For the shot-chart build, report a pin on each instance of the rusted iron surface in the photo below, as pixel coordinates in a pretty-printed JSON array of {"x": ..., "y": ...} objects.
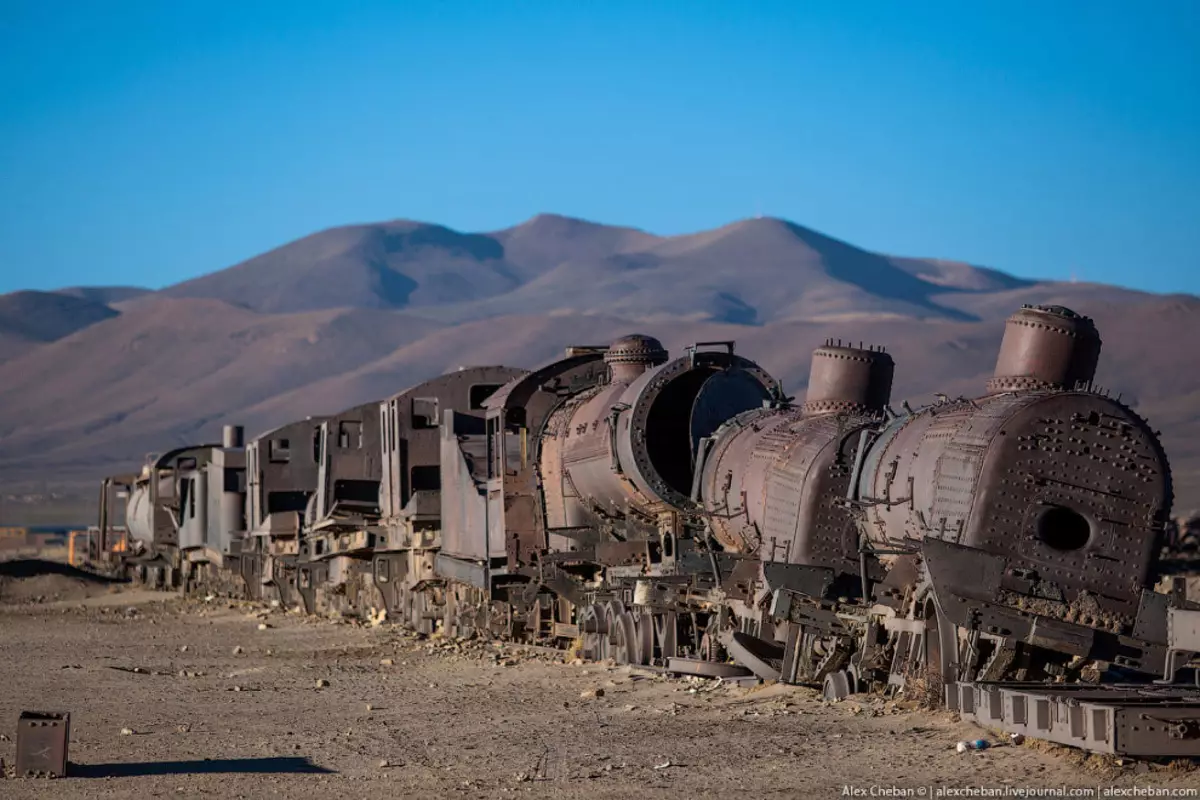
[
  {"x": 42, "y": 739},
  {"x": 1046, "y": 347}
]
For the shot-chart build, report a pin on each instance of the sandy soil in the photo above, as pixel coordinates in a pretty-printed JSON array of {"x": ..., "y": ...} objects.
[{"x": 311, "y": 709}]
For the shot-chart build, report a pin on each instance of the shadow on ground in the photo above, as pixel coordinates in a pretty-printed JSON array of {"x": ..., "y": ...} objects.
[
  {"x": 245, "y": 766},
  {"x": 36, "y": 567}
]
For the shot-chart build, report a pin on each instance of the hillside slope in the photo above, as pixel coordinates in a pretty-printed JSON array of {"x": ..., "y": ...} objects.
[{"x": 353, "y": 314}]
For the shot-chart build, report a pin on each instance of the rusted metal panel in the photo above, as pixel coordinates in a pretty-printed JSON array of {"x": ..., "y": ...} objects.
[
  {"x": 410, "y": 436},
  {"x": 350, "y": 469},
  {"x": 464, "y": 523},
  {"x": 42, "y": 739},
  {"x": 1183, "y": 629},
  {"x": 1132, "y": 720},
  {"x": 282, "y": 468}
]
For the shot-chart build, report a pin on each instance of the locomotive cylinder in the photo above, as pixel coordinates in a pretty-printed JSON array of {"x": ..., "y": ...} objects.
[
  {"x": 848, "y": 379},
  {"x": 1046, "y": 347}
]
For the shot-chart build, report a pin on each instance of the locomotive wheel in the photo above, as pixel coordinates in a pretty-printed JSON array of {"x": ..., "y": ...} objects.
[
  {"x": 632, "y": 639},
  {"x": 624, "y": 640},
  {"x": 594, "y": 625},
  {"x": 838, "y": 685},
  {"x": 644, "y": 628},
  {"x": 761, "y": 657}
]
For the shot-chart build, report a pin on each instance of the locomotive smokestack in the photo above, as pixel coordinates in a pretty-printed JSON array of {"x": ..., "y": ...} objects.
[
  {"x": 1046, "y": 347},
  {"x": 848, "y": 379},
  {"x": 233, "y": 436},
  {"x": 630, "y": 356}
]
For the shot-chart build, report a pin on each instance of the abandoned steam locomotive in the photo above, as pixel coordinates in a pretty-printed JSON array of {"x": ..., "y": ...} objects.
[{"x": 685, "y": 513}]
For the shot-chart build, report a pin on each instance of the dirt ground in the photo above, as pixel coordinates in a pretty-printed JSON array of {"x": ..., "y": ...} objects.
[{"x": 173, "y": 698}]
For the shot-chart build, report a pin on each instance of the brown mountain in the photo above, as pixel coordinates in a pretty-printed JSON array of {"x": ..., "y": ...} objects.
[{"x": 355, "y": 313}]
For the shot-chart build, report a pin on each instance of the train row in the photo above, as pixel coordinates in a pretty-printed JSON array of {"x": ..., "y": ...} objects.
[{"x": 684, "y": 512}]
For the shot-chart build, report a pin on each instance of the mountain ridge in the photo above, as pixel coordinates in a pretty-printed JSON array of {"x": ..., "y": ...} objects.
[{"x": 92, "y": 378}]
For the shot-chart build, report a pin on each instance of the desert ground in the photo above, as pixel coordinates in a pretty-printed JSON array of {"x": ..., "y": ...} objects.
[{"x": 186, "y": 698}]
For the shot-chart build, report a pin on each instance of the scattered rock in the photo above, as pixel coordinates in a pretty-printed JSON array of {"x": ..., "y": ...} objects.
[
  {"x": 237, "y": 651},
  {"x": 183, "y": 649},
  {"x": 385, "y": 662},
  {"x": 322, "y": 683},
  {"x": 588, "y": 694},
  {"x": 262, "y": 626},
  {"x": 127, "y": 731}
]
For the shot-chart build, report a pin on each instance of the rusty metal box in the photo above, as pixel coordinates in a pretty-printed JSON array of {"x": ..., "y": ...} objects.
[{"x": 42, "y": 744}]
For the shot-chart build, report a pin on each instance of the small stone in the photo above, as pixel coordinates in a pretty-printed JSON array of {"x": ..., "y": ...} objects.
[
  {"x": 385, "y": 662},
  {"x": 127, "y": 731},
  {"x": 384, "y": 764},
  {"x": 237, "y": 651},
  {"x": 588, "y": 694},
  {"x": 237, "y": 688},
  {"x": 370, "y": 707},
  {"x": 183, "y": 649},
  {"x": 322, "y": 683},
  {"x": 262, "y": 626}
]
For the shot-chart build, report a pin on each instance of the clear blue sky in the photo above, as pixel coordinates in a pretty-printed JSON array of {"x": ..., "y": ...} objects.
[{"x": 147, "y": 142}]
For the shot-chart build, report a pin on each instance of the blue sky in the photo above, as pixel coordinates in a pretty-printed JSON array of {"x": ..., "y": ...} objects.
[{"x": 144, "y": 143}]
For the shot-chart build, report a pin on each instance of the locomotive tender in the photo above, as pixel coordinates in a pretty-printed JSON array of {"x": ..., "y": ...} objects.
[{"x": 683, "y": 512}]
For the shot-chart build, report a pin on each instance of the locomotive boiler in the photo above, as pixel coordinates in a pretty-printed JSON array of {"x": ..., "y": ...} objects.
[{"x": 1011, "y": 535}]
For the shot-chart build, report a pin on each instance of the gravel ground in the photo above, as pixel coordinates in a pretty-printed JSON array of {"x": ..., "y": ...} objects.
[{"x": 173, "y": 698}]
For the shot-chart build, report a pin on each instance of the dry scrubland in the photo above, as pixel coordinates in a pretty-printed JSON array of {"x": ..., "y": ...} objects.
[{"x": 174, "y": 698}]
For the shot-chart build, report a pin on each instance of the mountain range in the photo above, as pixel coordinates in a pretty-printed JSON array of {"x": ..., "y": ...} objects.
[{"x": 94, "y": 378}]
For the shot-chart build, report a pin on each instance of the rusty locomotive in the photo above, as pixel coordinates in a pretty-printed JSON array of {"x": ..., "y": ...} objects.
[{"x": 684, "y": 513}]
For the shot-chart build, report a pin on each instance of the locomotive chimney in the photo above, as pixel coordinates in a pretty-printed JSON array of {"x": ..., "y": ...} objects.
[
  {"x": 233, "y": 436},
  {"x": 1046, "y": 347},
  {"x": 848, "y": 379},
  {"x": 630, "y": 356}
]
